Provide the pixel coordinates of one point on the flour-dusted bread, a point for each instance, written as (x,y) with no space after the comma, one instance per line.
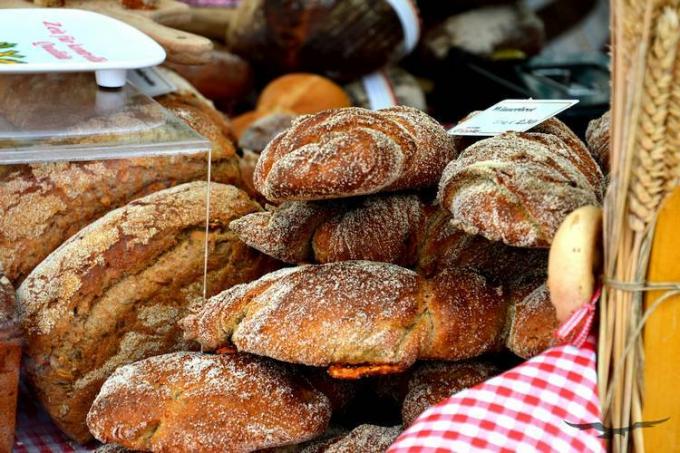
(42,205)
(191,402)
(347,152)
(357,317)
(113,292)
(10,361)
(518,187)
(597,137)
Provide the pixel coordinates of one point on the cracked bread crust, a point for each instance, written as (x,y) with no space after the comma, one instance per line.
(112,293)
(354,313)
(189,402)
(42,205)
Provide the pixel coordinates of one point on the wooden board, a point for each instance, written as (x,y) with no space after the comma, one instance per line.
(181,47)
(661,397)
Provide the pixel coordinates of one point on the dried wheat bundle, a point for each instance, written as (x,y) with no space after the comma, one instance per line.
(645,146)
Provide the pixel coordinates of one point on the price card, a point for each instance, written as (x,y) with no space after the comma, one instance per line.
(150,82)
(511,115)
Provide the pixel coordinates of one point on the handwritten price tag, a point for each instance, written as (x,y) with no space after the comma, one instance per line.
(511,115)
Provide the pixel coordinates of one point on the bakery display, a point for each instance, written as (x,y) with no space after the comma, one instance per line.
(111,294)
(188,401)
(10,361)
(45,204)
(348,152)
(518,187)
(358,318)
(314,36)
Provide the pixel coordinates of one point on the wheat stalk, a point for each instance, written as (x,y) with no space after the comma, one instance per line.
(650,170)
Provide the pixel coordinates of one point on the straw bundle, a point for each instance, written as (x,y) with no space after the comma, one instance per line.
(645,156)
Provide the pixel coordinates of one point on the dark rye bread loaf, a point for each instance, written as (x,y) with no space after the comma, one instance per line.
(113,292)
(193,402)
(42,205)
(341,153)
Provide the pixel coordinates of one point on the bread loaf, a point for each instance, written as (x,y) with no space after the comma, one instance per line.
(382,228)
(191,402)
(597,137)
(113,292)
(10,361)
(357,317)
(433,382)
(262,131)
(518,187)
(348,152)
(42,205)
(533,317)
(365,439)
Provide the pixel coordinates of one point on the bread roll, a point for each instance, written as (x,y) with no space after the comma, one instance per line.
(113,292)
(597,137)
(365,439)
(534,320)
(347,152)
(382,228)
(357,317)
(42,205)
(518,187)
(10,361)
(433,382)
(190,402)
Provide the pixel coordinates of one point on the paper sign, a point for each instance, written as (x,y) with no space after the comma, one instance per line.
(512,115)
(150,82)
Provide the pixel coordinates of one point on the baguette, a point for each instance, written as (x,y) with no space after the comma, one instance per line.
(518,187)
(191,402)
(357,317)
(42,205)
(113,292)
(348,152)
(10,361)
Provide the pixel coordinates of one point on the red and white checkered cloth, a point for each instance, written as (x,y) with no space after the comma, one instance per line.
(525,409)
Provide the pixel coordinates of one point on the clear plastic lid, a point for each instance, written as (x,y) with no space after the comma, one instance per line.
(67,117)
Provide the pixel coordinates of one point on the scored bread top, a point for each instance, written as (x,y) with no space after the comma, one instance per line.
(50,291)
(353,151)
(188,401)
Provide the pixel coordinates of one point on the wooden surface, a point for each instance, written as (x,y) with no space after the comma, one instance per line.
(661,397)
(181,47)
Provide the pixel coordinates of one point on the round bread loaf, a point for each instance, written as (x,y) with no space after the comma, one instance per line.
(433,382)
(113,292)
(597,137)
(10,361)
(347,152)
(364,439)
(191,402)
(518,187)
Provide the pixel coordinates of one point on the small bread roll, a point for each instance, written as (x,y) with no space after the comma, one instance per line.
(575,258)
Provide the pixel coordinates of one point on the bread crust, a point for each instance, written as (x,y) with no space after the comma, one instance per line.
(348,152)
(597,137)
(188,401)
(10,361)
(518,187)
(112,293)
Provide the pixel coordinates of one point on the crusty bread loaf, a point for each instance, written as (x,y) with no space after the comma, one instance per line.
(262,131)
(597,137)
(382,228)
(357,317)
(112,293)
(365,439)
(518,187)
(347,152)
(191,402)
(432,382)
(42,205)
(10,360)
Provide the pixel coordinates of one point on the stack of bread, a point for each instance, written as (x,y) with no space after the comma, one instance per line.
(385,274)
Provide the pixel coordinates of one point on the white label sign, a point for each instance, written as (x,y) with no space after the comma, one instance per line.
(150,82)
(512,115)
